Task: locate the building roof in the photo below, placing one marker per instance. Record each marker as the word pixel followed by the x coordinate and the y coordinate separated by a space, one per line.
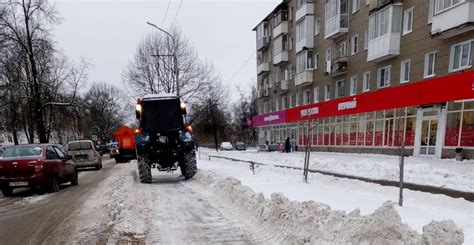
pixel 275 10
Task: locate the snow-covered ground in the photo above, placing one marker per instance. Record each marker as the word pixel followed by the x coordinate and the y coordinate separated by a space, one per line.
pixel 347 195
pixel 446 173
pixel 214 208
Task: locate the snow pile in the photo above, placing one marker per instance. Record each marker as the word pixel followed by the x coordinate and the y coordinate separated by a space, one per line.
pixel 315 223
pixel 444 232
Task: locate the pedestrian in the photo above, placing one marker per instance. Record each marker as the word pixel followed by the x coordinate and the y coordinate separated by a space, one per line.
pixel 287 145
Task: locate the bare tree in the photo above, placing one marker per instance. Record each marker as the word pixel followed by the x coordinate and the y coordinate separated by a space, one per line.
pixel 153 70
pixel 25 23
pixel 107 110
pixel 45 79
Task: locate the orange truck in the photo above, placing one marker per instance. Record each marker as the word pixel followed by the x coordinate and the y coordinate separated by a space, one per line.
pixel 125 137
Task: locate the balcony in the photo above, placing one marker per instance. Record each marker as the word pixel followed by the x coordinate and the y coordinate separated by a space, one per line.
pixel 263 68
pixel 337 19
pixel 280 29
pixel 339 66
pixel 280 58
pixel 384 44
pixel 306 9
pixel 384 47
pixel 308 39
pixel 263 43
pixel 454 20
pixel 306 42
pixel 304 77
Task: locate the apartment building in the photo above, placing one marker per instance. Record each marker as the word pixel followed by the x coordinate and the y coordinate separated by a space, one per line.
pixel 368 76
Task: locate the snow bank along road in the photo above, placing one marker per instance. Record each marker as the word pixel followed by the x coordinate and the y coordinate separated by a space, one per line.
pixel 445 173
pixel 112 207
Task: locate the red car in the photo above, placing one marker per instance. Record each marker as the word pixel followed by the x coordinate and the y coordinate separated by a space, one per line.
pixel 36 165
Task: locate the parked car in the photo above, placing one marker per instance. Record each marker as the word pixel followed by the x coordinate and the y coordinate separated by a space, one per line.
pixel 226 146
pixel 41 165
pixel 240 146
pixel 84 154
pixel 114 150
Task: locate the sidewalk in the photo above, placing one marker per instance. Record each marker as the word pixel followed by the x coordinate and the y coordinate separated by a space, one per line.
pixel 445 173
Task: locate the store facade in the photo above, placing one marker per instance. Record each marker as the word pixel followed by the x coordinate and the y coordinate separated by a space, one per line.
pixel 432 117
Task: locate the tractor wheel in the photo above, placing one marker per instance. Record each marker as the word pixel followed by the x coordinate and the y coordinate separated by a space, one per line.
pixel 188 166
pixel 144 170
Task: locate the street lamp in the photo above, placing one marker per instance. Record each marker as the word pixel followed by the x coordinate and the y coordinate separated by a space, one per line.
pixel 175 59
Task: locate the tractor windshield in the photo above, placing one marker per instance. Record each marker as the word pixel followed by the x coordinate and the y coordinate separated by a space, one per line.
pixel 161 115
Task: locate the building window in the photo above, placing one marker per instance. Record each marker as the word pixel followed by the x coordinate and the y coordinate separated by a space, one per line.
pixel 336 16
pixel 327 92
pixel 306 95
pixel 366 40
pixel 379 23
pixel 304 61
pixel 430 59
pixel 366 81
pixel 340 89
pixel 355 6
pixel 297 98
pixel 342 49
pixel 316 61
pixel 277 104
pixel 316 95
pixel 327 61
pixel 408 21
pixel 284 102
pixel 431 9
pixel 291 43
pixel 405 71
pixel 355 44
pixel 383 78
pixel 442 5
pixel 300 30
pixel 280 44
pixel 317 27
pixel 353 85
pixel 461 56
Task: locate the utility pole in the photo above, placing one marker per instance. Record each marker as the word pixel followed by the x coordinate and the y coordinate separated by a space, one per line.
pixel 175 58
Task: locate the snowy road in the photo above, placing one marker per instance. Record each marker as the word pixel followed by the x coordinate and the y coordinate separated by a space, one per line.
pixel 33 219
pixel 111 207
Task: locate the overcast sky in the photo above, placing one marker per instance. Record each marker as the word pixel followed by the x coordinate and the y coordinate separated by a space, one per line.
pixel 106 33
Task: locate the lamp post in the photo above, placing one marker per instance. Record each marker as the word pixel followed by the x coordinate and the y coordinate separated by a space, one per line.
pixel 175 58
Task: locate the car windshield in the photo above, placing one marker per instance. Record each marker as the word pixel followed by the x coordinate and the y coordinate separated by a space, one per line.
pixel 161 115
pixel 77 146
pixel 22 151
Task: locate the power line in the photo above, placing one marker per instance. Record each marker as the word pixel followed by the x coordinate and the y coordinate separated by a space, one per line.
pixel 166 13
pixel 242 67
pixel 177 11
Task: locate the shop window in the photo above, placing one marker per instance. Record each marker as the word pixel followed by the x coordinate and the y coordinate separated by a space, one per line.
pixel 453 123
pixel 398 131
pixel 361 129
pixel 410 131
pixel 369 134
pixel 345 133
pixel 353 133
pixel 467 130
pixel 378 138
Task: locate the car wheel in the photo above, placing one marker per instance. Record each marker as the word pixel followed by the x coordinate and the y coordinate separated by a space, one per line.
pixel 75 178
pixel 7 191
pixel 54 185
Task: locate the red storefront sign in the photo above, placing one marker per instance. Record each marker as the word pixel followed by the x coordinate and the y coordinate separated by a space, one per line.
pixel 431 91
